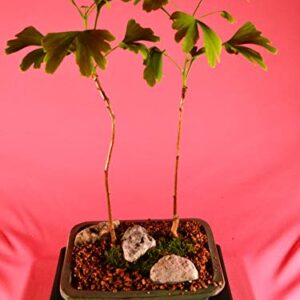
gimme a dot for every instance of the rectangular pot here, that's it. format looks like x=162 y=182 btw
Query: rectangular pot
x=69 y=293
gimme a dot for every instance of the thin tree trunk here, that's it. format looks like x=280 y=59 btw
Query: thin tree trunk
x=109 y=154
x=175 y=222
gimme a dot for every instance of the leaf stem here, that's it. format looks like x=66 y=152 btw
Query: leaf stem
x=109 y=154
x=211 y=13
x=85 y=21
x=184 y=74
x=111 y=50
x=78 y=9
x=197 y=7
x=173 y=61
x=97 y=18
x=91 y=8
x=189 y=66
x=166 y=12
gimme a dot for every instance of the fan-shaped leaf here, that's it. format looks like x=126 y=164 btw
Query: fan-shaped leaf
x=27 y=37
x=154 y=65
x=248 y=34
x=186 y=26
x=135 y=33
x=35 y=58
x=250 y=54
x=149 y=5
x=226 y=15
x=212 y=44
x=91 y=45
x=57 y=46
x=136 y=48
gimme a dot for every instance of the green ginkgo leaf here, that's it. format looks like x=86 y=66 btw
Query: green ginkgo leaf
x=228 y=16
x=134 y=36
x=149 y=5
x=187 y=29
x=212 y=44
x=249 y=35
x=34 y=58
x=154 y=65
x=135 y=33
x=250 y=54
x=27 y=37
x=57 y=46
x=89 y=47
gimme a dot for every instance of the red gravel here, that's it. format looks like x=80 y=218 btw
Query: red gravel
x=90 y=270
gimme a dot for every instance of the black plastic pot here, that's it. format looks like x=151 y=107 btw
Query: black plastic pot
x=69 y=293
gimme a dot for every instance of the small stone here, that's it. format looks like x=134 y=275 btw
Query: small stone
x=136 y=242
x=93 y=233
x=173 y=269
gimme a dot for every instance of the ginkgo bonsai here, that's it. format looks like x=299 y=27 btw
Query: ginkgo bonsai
x=91 y=48
x=187 y=27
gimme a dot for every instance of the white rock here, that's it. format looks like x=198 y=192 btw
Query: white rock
x=173 y=269
x=136 y=242
x=93 y=233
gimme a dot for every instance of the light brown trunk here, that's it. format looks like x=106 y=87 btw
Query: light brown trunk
x=175 y=222
x=109 y=154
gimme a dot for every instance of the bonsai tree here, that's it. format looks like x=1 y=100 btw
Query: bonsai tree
x=189 y=28
x=102 y=266
x=91 y=48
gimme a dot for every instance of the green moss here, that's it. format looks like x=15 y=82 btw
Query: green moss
x=114 y=256
x=165 y=246
x=177 y=246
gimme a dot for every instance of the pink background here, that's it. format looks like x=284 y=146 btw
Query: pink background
x=240 y=166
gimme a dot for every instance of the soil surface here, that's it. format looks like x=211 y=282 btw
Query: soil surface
x=97 y=266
